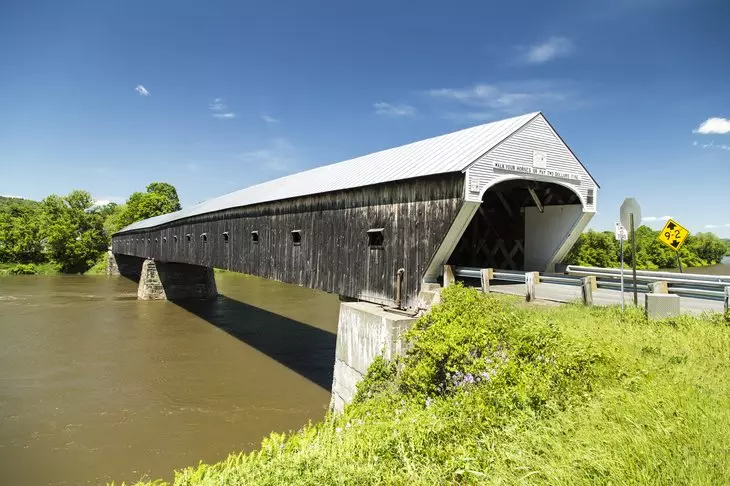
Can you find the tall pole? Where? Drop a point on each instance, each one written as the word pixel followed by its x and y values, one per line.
pixel 622 270
pixel 633 258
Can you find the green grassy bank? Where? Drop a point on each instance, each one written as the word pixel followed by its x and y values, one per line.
pixel 495 392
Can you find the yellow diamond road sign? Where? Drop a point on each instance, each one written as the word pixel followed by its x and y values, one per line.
pixel 673 235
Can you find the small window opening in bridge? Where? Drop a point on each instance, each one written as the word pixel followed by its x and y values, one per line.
pixel 255 237
pixel 187 236
pixel 296 237
pixel 156 240
pixel 149 240
pixel 205 237
pixel 164 239
pixel 589 197
pixel 174 238
pixel 225 236
pixel 376 238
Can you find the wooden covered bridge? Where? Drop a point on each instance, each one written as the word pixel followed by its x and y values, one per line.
pixel 508 194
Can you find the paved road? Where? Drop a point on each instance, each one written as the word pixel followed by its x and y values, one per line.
pixel 568 293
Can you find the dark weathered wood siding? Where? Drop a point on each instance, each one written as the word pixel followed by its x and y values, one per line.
pixel 334 254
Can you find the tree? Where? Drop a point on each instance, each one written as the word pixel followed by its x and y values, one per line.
pixel 72 232
pixel 160 198
pixel 595 249
pixel 20 232
pixel 707 247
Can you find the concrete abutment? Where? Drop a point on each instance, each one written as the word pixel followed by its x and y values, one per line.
pixel 364 331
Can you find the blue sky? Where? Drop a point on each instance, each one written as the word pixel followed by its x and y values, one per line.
pixel 215 96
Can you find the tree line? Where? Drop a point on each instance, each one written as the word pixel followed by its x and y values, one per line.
pixel 601 249
pixel 71 232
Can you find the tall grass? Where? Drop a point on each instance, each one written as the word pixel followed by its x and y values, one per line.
pixel 493 392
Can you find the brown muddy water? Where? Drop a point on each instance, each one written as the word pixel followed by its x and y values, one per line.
pixel 96 386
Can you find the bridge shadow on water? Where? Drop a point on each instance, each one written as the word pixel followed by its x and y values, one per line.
pixel 305 349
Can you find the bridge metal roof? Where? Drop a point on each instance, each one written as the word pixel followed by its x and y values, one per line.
pixel 452 152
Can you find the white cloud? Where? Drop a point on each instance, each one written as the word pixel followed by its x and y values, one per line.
pixel 712 226
pixel 11 196
pixel 101 202
pixel 656 218
pixel 142 90
pixel 220 109
pixel 551 49
pixel 269 119
pixel 714 125
pixel 278 156
pixel 388 109
pixel 494 100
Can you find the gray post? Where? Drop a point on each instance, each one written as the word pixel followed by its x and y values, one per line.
pixel 486 274
pixel 587 289
pixel 530 284
pixel 659 287
pixel 727 299
pixel 449 278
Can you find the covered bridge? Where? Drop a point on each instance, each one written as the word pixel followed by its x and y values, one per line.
pixel 508 194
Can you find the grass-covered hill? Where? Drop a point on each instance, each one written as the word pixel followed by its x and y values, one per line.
pixel 495 392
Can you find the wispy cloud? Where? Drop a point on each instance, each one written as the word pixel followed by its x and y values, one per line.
pixel 220 109
pixel 269 119
pixel 390 109
pixel 714 125
pixel 716 226
pixel 552 48
pixel 142 90
pixel 484 101
pixel 278 156
pixel 712 145
pixel 12 196
pixel 656 218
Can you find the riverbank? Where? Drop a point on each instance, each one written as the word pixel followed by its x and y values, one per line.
pixel 493 391
pixel 47 268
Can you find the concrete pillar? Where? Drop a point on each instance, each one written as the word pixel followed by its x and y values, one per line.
pixel 449 278
pixel 659 287
pixel 531 280
pixel 727 299
pixel 112 268
pixel 175 281
pixel 364 331
pixel 587 284
pixel 487 274
pixel 661 305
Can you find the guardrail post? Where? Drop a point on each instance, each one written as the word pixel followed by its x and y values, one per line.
pixel 449 278
pixel 486 274
pixel 727 299
pixel 658 287
pixel 587 287
pixel 530 284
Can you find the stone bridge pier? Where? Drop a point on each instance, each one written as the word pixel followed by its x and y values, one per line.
pixel 162 280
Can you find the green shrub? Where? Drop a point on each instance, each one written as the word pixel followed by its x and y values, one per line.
pixel 23 269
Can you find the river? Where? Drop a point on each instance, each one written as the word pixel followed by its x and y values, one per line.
pixel 97 386
pixel 722 268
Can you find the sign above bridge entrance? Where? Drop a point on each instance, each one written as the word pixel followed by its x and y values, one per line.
pixel 526 169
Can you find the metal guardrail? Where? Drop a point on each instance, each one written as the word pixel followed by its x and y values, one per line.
pixel 704 286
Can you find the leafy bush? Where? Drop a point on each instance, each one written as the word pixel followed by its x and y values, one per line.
pixel 23 269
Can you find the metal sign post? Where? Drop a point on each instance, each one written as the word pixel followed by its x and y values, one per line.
pixel 621 235
pixel 630 213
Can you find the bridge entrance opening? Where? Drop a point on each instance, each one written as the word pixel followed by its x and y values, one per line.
pixel 520 225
